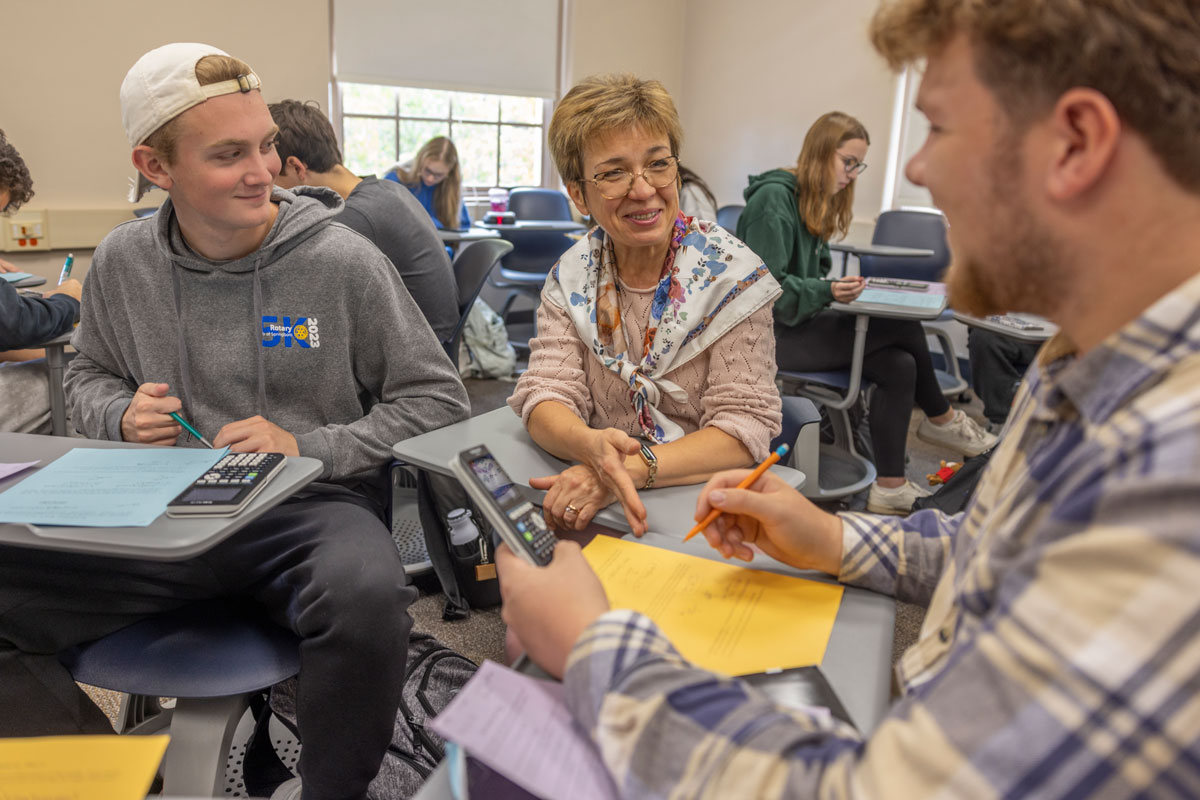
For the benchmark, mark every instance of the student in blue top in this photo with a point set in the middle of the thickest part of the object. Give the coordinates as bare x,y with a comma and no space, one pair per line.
435,180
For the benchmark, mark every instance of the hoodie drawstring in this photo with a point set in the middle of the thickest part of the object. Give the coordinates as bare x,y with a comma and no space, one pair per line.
258,348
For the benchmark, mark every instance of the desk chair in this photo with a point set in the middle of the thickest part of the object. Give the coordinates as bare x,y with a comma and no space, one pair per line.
523,271
727,216
801,431
839,469
923,229
211,656
472,266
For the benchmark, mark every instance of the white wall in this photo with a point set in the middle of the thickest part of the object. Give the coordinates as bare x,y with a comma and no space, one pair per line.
645,38
64,61
757,73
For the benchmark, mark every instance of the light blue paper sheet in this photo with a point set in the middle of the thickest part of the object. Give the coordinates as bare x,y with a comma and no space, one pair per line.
105,488
892,297
13,277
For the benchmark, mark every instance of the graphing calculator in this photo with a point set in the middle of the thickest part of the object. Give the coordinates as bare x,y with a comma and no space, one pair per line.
518,521
228,486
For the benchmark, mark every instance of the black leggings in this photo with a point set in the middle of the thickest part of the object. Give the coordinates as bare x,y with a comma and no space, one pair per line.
896,359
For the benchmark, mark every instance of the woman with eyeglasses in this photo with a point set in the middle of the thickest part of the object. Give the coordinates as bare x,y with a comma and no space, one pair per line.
435,180
790,216
654,362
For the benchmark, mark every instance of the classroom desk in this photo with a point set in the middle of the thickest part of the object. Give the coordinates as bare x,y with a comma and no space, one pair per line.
166,539
56,364
846,248
560,225
30,282
858,659
1043,328
455,238
896,311
668,509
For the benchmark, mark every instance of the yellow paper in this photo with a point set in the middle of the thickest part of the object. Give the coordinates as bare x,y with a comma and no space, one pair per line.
79,767
720,616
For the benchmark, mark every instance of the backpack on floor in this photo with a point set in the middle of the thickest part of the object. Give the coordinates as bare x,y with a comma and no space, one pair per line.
433,675
955,492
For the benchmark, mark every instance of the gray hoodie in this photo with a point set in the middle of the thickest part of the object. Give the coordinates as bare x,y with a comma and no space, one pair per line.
314,331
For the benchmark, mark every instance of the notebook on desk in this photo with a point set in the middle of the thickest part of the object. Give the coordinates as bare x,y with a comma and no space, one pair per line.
14,277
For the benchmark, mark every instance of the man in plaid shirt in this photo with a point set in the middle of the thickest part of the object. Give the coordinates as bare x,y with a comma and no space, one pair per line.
1060,656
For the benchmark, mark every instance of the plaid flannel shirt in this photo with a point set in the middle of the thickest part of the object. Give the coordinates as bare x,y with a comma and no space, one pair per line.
1060,656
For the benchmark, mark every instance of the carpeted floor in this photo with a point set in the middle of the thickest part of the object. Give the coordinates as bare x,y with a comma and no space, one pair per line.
481,636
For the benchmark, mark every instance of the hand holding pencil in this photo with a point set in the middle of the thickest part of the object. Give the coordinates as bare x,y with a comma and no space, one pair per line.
739,510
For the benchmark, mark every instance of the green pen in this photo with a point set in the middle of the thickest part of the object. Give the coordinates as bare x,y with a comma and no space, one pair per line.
191,430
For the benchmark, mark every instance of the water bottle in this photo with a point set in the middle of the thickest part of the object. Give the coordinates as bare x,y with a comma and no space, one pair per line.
462,527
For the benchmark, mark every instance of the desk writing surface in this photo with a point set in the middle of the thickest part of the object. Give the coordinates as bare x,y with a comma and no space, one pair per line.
668,510
1028,327
166,539
868,249
857,659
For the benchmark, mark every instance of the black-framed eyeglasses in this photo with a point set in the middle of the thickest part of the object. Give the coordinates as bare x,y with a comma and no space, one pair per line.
852,165
616,183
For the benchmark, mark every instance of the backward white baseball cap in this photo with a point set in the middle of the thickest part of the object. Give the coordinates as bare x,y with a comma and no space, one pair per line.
162,85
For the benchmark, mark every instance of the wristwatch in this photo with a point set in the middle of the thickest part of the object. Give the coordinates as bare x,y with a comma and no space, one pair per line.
651,462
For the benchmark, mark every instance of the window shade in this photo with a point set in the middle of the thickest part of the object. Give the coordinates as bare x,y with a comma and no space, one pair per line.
494,46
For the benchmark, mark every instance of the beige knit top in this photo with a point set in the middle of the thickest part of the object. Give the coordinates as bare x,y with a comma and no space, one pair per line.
730,386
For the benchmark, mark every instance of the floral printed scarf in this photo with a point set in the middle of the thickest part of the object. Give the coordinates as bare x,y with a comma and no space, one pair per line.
710,282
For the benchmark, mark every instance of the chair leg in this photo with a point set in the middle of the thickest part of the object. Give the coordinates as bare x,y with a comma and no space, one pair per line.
201,734
139,714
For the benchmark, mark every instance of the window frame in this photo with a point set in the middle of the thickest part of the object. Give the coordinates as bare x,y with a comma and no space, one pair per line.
450,119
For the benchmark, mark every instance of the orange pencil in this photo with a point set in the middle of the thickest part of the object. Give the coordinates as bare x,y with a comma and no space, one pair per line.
779,453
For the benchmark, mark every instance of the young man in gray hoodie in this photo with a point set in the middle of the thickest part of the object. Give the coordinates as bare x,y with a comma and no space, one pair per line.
270,328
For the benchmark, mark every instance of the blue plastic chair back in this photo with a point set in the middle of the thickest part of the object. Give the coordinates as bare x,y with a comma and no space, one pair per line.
903,228
529,203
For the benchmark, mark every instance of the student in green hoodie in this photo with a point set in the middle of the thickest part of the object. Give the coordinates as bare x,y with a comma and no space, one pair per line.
789,218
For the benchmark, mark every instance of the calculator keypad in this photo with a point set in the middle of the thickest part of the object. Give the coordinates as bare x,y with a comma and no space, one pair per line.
239,469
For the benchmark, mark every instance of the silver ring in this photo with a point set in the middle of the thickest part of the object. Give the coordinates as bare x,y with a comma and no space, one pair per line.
572,509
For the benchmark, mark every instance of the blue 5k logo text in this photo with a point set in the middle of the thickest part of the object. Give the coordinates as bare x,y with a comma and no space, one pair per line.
302,332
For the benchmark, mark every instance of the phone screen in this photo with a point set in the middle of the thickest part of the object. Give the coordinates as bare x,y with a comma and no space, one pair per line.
498,483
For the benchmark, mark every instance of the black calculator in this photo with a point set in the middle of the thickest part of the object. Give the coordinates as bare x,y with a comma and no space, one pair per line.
228,486
518,521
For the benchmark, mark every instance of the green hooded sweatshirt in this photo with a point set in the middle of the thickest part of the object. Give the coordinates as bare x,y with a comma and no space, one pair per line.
771,226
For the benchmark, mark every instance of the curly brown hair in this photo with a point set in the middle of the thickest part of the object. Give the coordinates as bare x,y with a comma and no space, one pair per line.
1141,54
14,176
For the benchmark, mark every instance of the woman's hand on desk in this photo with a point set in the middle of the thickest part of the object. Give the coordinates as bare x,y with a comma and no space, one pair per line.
548,608
256,435
605,454
773,516
573,497
147,420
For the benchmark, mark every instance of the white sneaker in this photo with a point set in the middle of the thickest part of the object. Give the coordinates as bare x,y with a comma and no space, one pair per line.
894,501
288,790
961,433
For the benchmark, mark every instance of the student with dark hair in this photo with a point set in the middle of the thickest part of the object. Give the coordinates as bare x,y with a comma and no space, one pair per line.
271,328
27,320
380,210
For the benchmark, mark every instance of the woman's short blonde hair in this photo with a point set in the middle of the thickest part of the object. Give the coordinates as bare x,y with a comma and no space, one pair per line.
602,103
1141,54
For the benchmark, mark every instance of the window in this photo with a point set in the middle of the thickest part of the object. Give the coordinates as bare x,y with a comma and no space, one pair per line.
499,137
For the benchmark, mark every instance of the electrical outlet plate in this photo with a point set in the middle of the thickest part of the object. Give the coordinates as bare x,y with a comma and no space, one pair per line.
25,231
